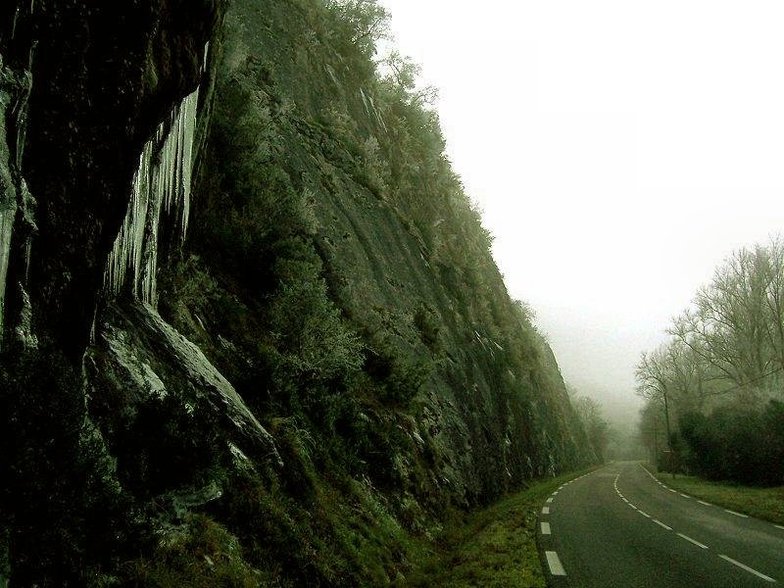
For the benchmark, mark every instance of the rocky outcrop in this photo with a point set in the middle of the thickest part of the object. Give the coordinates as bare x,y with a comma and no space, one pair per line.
332,364
139,359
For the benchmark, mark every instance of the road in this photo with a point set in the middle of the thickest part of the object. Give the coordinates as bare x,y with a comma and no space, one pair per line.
619,526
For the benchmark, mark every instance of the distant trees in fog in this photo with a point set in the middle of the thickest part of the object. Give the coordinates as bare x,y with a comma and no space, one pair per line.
714,390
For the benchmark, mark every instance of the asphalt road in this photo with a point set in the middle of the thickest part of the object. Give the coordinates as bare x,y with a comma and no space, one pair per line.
619,526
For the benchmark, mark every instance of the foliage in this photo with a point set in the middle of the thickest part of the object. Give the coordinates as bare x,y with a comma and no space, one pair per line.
737,443
596,428
201,554
718,380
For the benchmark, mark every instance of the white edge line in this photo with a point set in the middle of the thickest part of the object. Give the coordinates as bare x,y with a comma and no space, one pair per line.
556,568
737,514
662,524
546,529
747,568
690,540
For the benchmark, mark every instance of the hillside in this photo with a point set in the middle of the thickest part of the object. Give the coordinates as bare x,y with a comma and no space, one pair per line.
253,332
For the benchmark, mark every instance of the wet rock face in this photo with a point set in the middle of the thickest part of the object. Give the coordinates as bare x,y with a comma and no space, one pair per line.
105,75
140,361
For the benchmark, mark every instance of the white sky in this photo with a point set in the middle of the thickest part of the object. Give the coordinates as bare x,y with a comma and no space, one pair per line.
619,149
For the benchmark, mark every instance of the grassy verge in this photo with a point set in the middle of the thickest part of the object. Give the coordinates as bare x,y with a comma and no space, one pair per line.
492,547
763,503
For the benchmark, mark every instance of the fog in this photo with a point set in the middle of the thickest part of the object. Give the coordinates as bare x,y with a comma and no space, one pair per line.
619,152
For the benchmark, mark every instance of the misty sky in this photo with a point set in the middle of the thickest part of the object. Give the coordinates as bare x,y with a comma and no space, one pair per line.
620,150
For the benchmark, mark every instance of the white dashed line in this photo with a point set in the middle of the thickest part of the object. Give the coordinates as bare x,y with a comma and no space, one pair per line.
690,540
645,514
555,493
705,503
671,490
545,528
684,495
549,500
737,514
625,499
545,510
747,568
662,525
556,569
779,527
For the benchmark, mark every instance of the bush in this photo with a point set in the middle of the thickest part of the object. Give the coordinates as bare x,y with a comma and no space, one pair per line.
738,444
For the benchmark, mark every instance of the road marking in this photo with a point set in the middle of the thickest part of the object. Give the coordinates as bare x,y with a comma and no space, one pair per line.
662,525
779,527
671,490
626,500
549,500
556,569
645,514
634,507
555,493
545,510
737,514
747,568
705,503
690,540
545,528
684,495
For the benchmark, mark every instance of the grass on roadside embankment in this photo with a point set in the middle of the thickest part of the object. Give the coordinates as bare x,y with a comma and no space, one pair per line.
763,503
492,547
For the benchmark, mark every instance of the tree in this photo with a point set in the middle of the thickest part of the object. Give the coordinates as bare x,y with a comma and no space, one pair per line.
590,413
366,20
736,324
653,375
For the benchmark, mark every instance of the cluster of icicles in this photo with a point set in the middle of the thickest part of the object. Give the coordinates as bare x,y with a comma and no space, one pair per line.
7,214
161,183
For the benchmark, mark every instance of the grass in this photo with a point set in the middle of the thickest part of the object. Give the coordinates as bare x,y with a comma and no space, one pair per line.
763,503
494,547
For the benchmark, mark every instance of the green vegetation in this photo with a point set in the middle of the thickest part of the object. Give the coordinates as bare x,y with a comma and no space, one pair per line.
763,503
339,276
492,547
714,391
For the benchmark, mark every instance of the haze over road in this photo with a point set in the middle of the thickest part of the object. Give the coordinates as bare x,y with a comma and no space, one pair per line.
619,526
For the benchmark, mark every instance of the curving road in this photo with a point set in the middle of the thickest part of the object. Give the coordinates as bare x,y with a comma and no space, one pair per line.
619,526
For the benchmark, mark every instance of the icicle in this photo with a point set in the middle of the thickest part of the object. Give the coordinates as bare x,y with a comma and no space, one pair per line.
7,214
161,182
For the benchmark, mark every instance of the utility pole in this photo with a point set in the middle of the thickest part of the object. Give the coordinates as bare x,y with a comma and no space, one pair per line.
669,436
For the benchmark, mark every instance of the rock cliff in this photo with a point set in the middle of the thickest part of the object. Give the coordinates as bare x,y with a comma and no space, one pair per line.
252,331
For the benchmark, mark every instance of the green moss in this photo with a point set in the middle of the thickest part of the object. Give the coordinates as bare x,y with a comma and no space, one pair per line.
201,554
